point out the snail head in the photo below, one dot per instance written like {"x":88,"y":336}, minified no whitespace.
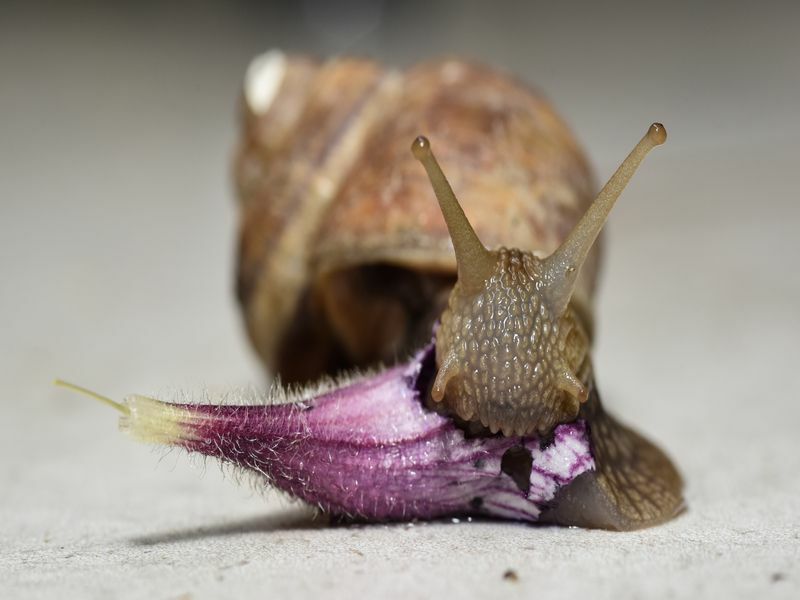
{"x":511,"y":352}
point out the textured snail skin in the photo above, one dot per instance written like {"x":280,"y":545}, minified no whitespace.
{"x":502,"y":351}
{"x":371,"y":450}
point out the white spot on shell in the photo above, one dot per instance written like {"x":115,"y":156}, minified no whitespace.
{"x":324,"y":186}
{"x":452,"y":72}
{"x":263,"y":80}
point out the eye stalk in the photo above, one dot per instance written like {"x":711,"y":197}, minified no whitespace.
{"x":475,"y":262}
{"x":511,"y":352}
{"x":562,"y":267}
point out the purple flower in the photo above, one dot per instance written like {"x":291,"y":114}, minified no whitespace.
{"x":371,"y":450}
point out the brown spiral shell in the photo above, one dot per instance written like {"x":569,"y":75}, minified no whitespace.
{"x":344,"y":257}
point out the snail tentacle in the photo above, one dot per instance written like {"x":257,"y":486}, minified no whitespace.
{"x":570,"y":383}
{"x":510,"y":344}
{"x":475,"y":262}
{"x":562,"y":267}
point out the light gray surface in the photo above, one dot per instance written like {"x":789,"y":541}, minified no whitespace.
{"x":118,"y":227}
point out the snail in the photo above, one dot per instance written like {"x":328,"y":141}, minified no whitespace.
{"x":499,"y":414}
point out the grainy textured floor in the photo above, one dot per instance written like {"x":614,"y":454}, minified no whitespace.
{"x":117,"y":230}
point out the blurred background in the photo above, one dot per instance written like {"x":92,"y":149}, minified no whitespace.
{"x":117,"y":237}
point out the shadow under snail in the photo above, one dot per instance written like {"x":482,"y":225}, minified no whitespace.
{"x":497,"y":416}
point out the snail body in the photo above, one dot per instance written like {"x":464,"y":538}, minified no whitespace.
{"x":509,"y":338}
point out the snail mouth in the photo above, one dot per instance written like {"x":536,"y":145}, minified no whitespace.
{"x":370,"y":314}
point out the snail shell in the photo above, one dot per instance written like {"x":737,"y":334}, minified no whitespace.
{"x":343,"y":258}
